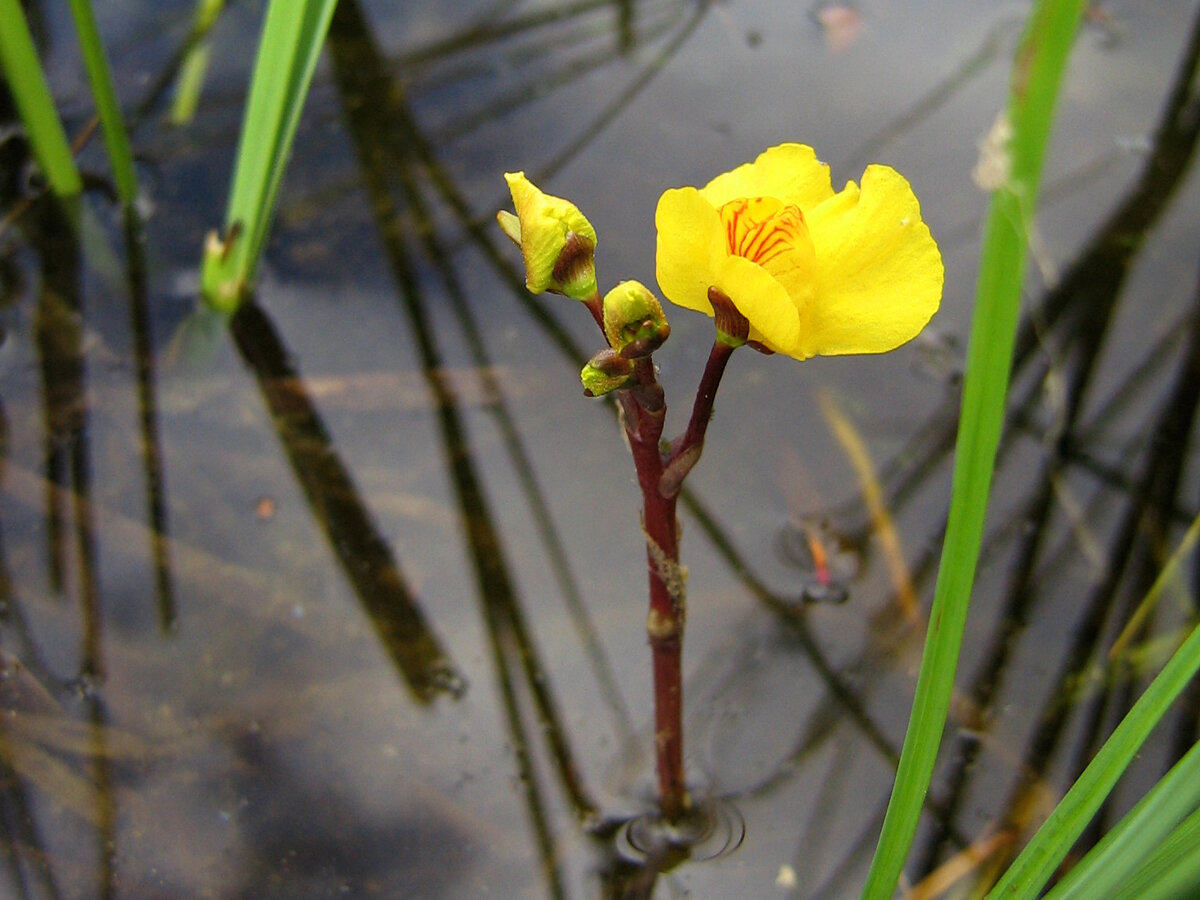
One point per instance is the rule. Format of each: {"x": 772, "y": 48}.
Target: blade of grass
{"x": 1037, "y": 72}
{"x": 116, "y": 137}
{"x": 1172, "y": 872}
{"x": 1137, "y": 836}
{"x": 1037, "y": 862}
{"x": 872, "y": 492}
{"x": 293, "y": 33}
{"x": 1161, "y": 583}
{"x": 23, "y": 70}
{"x": 195, "y": 64}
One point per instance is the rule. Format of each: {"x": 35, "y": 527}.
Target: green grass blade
{"x": 1037, "y": 862}
{"x": 1037, "y": 73}
{"x": 1172, "y": 872}
{"x": 1028, "y": 874}
{"x": 293, "y": 34}
{"x": 189, "y": 84}
{"x": 23, "y": 70}
{"x": 1137, "y": 836}
{"x": 195, "y": 63}
{"x": 116, "y": 137}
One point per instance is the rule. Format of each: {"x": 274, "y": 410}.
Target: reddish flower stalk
{"x": 633, "y": 331}
{"x": 595, "y": 306}
{"x": 660, "y": 476}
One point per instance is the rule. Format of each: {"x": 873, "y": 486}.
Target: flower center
{"x": 761, "y": 229}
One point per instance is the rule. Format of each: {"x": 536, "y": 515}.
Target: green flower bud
{"x": 633, "y": 320}
{"x": 605, "y": 372}
{"x": 556, "y": 240}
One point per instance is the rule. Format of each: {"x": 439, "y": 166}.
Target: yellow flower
{"x": 814, "y": 272}
{"x": 556, "y": 240}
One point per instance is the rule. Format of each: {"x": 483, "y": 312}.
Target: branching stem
{"x": 660, "y": 476}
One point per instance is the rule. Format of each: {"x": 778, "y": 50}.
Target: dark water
{"x": 343, "y": 597}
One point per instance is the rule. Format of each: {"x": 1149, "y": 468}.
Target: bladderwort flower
{"x": 557, "y": 242}
{"x": 814, "y": 272}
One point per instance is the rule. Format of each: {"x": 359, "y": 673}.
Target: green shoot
{"x": 287, "y": 55}
{"x": 195, "y": 63}
{"x": 116, "y": 138}
{"x": 23, "y": 70}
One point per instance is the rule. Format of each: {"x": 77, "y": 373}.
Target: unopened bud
{"x": 634, "y": 322}
{"x": 606, "y": 372}
{"x": 556, "y": 240}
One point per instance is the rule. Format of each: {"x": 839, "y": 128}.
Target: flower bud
{"x": 557, "y": 242}
{"x": 634, "y": 322}
{"x": 605, "y": 372}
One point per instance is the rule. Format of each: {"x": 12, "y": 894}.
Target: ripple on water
{"x": 712, "y": 829}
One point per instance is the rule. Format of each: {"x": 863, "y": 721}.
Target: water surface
{"x": 344, "y": 595}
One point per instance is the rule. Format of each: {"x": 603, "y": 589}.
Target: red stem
{"x": 660, "y": 477}
{"x": 685, "y": 451}
{"x": 706, "y": 394}
{"x": 595, "y": 305}
{"x": 644, "y": 417}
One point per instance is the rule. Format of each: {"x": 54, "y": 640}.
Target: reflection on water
{"x": 335, "y": 597}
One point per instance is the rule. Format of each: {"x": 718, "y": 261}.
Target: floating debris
{"x": 840, "y": 23}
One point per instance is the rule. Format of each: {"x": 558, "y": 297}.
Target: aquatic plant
{"x": 23, "y": 71}
{"x": 782, "y": 263}
{"x": 292, "y": 37}
{"x": 775, "y": 256}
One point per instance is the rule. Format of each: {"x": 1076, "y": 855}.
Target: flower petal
{"x": 774, "y": 319}
{"x": 878, "y": 270}
{"x": 691, "y": 244}
{"x": 775, "y": 236}
{"x": 789, "y": 172}
{"x": 535, "y": 207}
{"x": 510, "y": 225}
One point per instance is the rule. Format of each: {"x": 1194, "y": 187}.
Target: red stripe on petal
{"x": 761, "y": 228}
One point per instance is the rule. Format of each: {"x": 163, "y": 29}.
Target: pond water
{"x": 345, "y": 596}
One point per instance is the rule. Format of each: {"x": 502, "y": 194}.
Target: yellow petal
{"x": 789, "y": 172}
{"x": 527, "y": 197}
{"x": 535, "y": 207}
{"x": 879, "y": 273}
{"x": 691, "y": 244}
{"x": 774, "y": 319}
